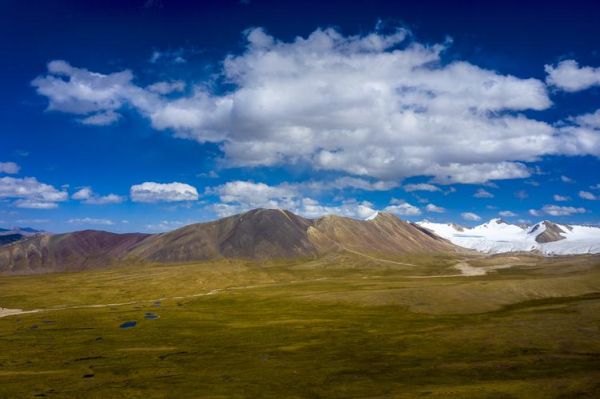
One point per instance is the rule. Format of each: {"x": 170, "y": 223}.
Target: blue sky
{"x": 147, "y": 115}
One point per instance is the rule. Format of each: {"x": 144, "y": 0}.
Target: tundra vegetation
{"x": 338, "y": 326}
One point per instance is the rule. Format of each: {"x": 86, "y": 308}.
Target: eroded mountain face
{"x": 551, "y": 233}
{"x": 66, "y": 252}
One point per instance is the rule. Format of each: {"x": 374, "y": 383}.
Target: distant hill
{"x": 257, "y": 234}
{"x": 66, "y": 252}
{"x": 9, "y": 238}
{"x": 19, "y": 230}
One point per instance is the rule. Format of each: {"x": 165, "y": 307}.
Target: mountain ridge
{"x": 258, "y": 234}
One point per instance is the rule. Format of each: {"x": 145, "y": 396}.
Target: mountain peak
{"x": 551, "y": 232}
{"x": 492, "y": 223}
{"x": 497, "y": 221}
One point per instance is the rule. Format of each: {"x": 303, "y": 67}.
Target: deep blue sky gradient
{"x": 516, "y": 38}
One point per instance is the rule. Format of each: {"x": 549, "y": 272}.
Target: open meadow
{"x": 343, "y": 326}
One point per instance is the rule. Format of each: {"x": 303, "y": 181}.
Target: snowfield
{"x": 497, "y": 236}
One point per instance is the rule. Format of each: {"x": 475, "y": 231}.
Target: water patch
{"x": 151, "y": 316}
{"x": 128, "y": 324}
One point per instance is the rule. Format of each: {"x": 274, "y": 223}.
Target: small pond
{"x": 128, "y": 324}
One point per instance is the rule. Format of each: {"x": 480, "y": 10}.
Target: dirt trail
{"x": 378, "y": 259}
{"x": 4, "y": 312}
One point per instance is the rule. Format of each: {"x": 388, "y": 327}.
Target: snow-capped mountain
{"x": 497, "y": 236}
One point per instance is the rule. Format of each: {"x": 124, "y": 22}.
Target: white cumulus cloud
{"x": 165, "y": 225}
{"x": 257, "y": 195}
{"x": 9, "y": 168}
{"x": 91, "y": 221}
{"x": 587, "y": 195}
{"x": 569, "y": 76}
{"x": 163, "y": 192}
{"x": 434, "y": 208}
{"x": 375, "y": 105}
{"x": 566, "y": 179}
{"x": 28, "y": 192}
{"x": 481, "y": 193}
{"x": 470, "y": 216}
{"x": 88, "y": 196}
{"x": 420, "y": 187}
{"x": 402, "y": 208}
{"x": 358, "y": 210}
{"x": 240, "y": 196}
{"x": 556, "y": 210}
{"x": 534, "y": 212}
{"x": 101, "y": 118}
{"x": 166, "y": 87}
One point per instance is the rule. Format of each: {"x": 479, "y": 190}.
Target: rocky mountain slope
{"x": 384, "y": 234}
{"x": 497, "y": 236}
{"x": 66, "y": 252}
{"x": 257, "y": 234}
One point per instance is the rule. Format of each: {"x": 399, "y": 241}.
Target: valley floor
{"x": 348, "y": 326}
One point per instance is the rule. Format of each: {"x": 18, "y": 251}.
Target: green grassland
{"x": 345, "y": 326}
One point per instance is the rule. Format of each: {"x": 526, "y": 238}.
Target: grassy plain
{"x": 340, "y": 327}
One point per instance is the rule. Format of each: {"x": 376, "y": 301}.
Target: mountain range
{"x": 257, "y": 234}
{"x": 277, "y": 234}
{"x": 498, "y": 236}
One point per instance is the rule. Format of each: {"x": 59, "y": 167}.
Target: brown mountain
{"x": 386, "y": 234}
{"x": 257, "y": 234}
{"x": 551, "y": 233}
{"x": 66, "y": 252}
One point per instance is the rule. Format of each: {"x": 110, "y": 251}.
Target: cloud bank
{"x": 240, "y": 196}
{"x": 375, "y": 105}
{"x": 28, "y": 192}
